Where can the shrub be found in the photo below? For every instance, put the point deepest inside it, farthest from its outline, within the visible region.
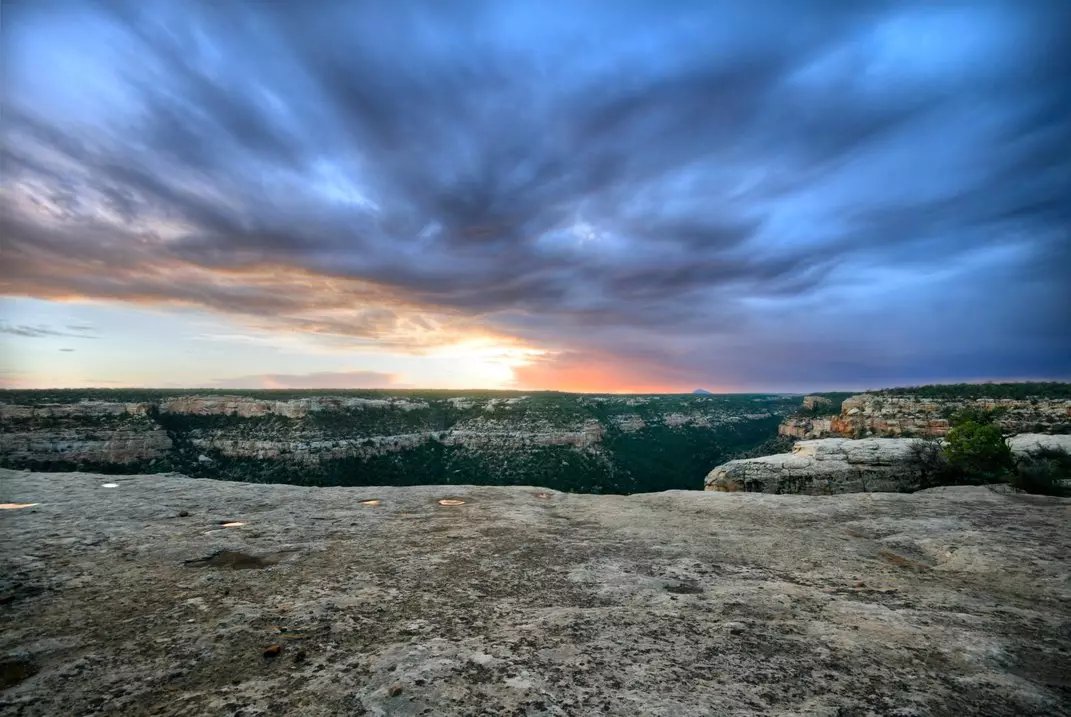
(1047, 472)
(975, 414)
(930, 463)
(976, 453)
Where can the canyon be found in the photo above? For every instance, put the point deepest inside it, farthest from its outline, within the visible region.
(564, 441)
(572, 442)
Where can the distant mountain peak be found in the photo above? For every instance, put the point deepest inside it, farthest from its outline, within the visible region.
(702, 391)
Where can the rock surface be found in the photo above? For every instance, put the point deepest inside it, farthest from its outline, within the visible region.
(826, 466)
(1031, 443)
(135, 600)
(878, 414)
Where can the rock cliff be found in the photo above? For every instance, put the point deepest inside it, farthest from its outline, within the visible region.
(878, 414)
(566, 441)
(136, 600)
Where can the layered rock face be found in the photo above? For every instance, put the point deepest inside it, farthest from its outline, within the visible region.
(880, 414)
(623, 443)
(826, 466)
(94, 432)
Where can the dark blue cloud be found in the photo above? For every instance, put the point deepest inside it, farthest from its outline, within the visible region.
(768, 193)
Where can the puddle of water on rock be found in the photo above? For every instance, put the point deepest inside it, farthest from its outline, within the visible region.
(16, 506)
(451, 501)
(12, 672)
(109, 485)
(370, 501)
(231, 524)
(685, 587)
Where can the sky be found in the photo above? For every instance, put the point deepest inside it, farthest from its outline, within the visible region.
(614, 196)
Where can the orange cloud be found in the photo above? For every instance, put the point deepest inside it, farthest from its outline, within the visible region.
(265, 295)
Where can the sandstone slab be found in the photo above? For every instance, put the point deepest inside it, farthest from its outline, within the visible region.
(826, 466)
(1031, 443)
(168, 596)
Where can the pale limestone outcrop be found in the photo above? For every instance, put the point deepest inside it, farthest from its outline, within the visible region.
(1031, 443)
(845, 465)
(84, 409)
(824, 466)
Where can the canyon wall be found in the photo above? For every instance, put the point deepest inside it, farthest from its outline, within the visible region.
(879, 414)
(566, 441)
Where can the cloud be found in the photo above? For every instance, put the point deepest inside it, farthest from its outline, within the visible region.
(67, 350)
(746, 192)
(37, 331)
(322, 380)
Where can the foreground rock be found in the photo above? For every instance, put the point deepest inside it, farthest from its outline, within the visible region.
(134, 600)
(827, 466)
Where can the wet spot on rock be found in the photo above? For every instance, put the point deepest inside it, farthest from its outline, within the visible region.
(231, 559)
(19, 592)
(12, 672)
(684, 587)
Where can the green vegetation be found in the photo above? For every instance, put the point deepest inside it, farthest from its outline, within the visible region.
(964, 391)
(1047, 471)
(976, 453)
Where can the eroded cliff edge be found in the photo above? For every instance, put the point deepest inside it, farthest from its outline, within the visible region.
(618, 444)
(135, 600)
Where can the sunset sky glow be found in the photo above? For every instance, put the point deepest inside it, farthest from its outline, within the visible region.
(602, 196)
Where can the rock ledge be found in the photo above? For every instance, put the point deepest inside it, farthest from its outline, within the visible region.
(138, 600)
